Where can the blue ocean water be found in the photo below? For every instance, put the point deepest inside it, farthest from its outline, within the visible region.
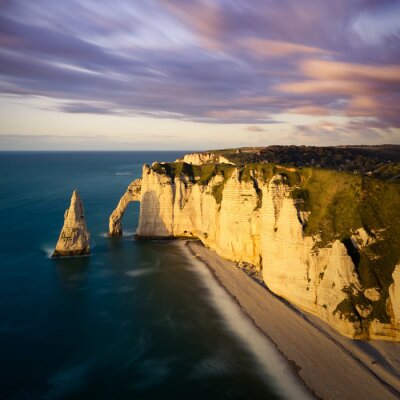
(130, 321)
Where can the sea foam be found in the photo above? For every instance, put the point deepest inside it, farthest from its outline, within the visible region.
(272, 364)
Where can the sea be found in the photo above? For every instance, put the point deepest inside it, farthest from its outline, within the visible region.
(135, 319)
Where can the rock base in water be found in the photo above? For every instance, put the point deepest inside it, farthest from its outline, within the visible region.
(57, 254)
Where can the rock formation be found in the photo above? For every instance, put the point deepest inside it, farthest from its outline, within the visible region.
(132, 194)
(249, 215)
(394, 292)
(74, 236)
(204, 158)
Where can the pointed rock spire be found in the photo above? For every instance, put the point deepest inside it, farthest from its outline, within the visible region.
(74, 236)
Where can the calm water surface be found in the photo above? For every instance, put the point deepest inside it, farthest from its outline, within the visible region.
(131, 321)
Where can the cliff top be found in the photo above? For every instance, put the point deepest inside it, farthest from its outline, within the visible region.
(380, 161)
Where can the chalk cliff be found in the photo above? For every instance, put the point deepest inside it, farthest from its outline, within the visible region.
(74, 236)
(394, 293)
(204, 158)
(258, 214)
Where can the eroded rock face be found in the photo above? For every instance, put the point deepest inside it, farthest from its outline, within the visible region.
(177, 207)
(394, 295)
(132, 194)
(204, 158)
(74, 236)
(293, 269)
(372, 294)
(256, 221)
(361, 238)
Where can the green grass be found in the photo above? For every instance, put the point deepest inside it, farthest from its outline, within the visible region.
(332, 198)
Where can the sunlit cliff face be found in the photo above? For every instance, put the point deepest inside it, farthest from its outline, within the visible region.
(177, 74)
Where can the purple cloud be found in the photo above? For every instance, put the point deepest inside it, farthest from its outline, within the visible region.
(237, 62)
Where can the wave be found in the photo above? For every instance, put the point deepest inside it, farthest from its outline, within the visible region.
(135, 273)
(128, 233)
(124, 233)
(210, 367)
(272, 363)
(48, 249)
(67, 381)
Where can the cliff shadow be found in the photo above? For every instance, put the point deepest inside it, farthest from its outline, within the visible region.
(151, 223)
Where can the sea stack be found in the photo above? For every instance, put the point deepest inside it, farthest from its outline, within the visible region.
(74, 236)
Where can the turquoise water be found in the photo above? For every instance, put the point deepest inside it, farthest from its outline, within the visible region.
(132, 320)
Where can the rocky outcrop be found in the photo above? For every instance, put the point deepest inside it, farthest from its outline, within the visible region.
(132, 194)
(246, 216)
(394, 296)
(74, 236)
(204, 158)
(176, 207)
(293, 269)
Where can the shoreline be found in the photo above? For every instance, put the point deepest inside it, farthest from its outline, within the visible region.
(321, 357)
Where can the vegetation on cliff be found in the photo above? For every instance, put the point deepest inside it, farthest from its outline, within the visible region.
(382, 162)
(338, 205)
(199, 174)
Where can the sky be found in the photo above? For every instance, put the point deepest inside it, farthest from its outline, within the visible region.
(198, 74)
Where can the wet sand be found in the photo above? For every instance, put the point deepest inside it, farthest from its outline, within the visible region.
(330, 365)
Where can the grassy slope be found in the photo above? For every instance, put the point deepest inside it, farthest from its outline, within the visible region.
(340, 203)
(382, 161)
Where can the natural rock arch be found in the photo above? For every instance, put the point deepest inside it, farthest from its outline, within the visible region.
(133, 193)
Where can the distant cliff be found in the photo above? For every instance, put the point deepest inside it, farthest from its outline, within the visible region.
(380, 161)
(326, 241)
(204, 158)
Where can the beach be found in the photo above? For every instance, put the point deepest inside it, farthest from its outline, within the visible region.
(330, 365)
